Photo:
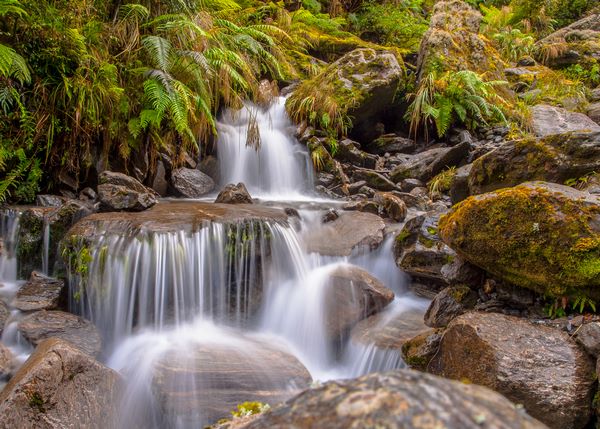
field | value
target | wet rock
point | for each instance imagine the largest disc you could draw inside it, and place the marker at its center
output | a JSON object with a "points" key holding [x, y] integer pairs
{"points": [[389, 333], [460, 271], [391, 143], [448, 304], [6, 362], [188, 216], [349, 151], [330, 216], [206, 382], [351, 230], [42, 325], [50, 200], [118, 191], [549, 120], [408, 185], [191, 183], [40, 293], [459, 189], [588, 336], [210, 166], [354, 188], [32, 225], [399, 399], [351, 295], [418, 351], [552, 159], [425, 165], [391, 206], [420, 252], [234, 194], [533, 216], [374, 179], [159, 183], [537, 366], [88, 194], [59, 386], [4, 315]]}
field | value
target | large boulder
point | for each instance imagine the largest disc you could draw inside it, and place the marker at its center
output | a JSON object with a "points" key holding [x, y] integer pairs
{"points": [[549, 120], [390, 330], [117, 191], [541, 236], [351, 295], [391, 143], [40, 293], [576, 43], [537, 366], [349, 231], [37, 222], [234, 194], [206, 381], [59, 386], [391, 205], [556, 158], [399, 399], [420, 252], [363, 82], [42, 325], [454, 43], [374, 179], [425, 165], [191, 183]]}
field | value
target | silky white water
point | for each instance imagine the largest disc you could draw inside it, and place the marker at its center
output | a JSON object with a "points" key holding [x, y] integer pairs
{"points": [[180, 312], [279, 168]]}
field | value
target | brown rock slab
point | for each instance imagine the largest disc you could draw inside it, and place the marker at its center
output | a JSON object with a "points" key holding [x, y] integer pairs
{"points": [[537, 366], [60, 387], [39, 293], [349, 231], [42, 325], [399, 399]]}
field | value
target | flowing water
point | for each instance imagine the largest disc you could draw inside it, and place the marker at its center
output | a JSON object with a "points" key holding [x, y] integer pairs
{"points": [[232, 309]]}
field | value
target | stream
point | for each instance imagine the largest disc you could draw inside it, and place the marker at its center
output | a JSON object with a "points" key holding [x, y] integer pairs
{"points": [[195, 320]]}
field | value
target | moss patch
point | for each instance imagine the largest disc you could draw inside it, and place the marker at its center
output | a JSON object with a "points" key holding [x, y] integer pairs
{"points": [[532, 236]]}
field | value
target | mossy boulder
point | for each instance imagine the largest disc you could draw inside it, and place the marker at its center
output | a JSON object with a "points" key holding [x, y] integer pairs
{"points": [[453, 42], [540, 236], [555, 158], [362, 84], [578, 43]]}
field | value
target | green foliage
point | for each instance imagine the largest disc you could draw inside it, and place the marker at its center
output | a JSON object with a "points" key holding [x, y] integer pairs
{"points": [[249, 408], [442, 182], [561, 306], [85, 80], [590, 75], [455, 97], [391, 23]]}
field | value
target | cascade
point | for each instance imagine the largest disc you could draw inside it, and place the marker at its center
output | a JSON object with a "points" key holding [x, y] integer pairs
{"points": [[278, 168], [199, 319]]}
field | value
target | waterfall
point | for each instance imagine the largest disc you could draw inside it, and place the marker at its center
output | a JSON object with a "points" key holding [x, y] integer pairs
{"points": [[279, 167], [198, 319]]}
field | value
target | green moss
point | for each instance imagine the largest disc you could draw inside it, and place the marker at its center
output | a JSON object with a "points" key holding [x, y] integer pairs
{"points": [[36, 401], [530, 237]]}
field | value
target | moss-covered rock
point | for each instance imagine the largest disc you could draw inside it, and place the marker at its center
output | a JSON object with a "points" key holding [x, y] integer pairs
{"points": [[360, 86], [555, 158], [538, 235], [453, 42]]}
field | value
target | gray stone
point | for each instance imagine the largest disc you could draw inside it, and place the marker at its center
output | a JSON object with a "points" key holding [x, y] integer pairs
{"points": [[399, 399], [537, 366], [549, 120], [588, 336], [234, 194], [118, 192], [61, 387], [42, 325], [449, 304], [191, 183], [40, 293]]}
